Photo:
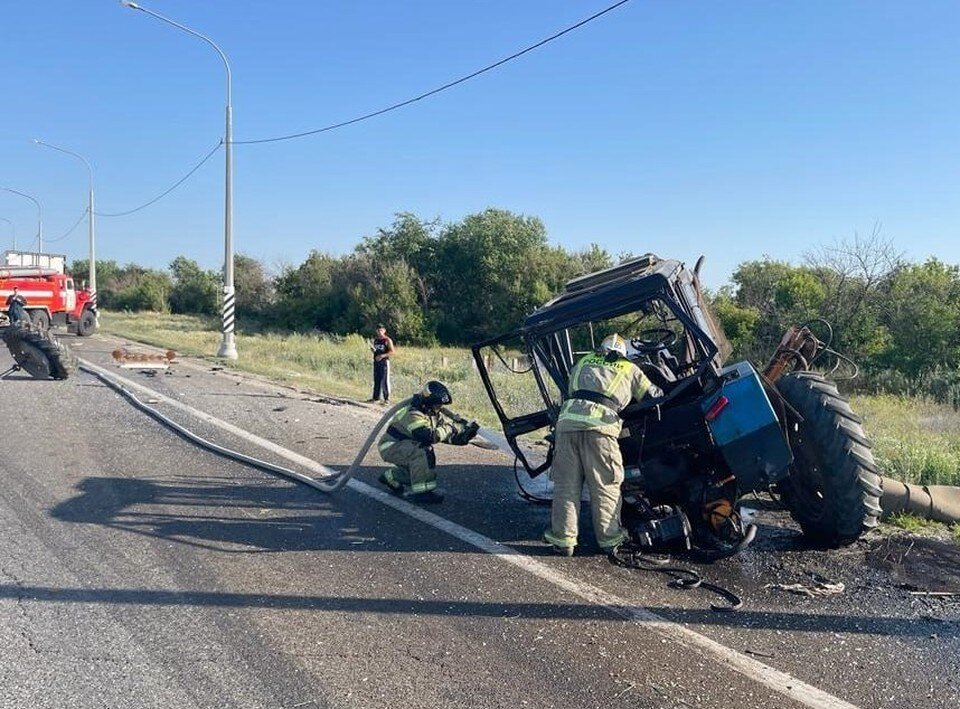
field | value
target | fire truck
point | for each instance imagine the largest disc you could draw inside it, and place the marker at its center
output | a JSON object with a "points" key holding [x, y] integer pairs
{"points": [[52, 298]]}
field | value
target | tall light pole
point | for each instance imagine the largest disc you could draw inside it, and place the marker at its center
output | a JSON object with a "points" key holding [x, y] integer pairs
{"points": [[228, 347], [13, 228], [90, 230], [39, 215]]}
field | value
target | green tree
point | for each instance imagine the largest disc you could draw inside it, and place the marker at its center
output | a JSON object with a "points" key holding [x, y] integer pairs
{"points": [[921, 312], [107, 273], [486, 276], [738, 323], [139, 288], [367, 291], [305, 293], [194, 290], [413, 241], [853, 274], [254, 288]]}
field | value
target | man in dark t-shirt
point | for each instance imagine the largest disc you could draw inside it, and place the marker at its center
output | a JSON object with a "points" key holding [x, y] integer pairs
{"points": [[16, 307], [383, 349]]}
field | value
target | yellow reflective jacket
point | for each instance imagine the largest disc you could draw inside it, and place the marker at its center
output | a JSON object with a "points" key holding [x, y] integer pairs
{"points": [[618, 380], [410, 423]]}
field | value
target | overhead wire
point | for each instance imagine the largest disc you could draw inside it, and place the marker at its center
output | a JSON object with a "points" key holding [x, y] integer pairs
{"points": [[433, 92], [71, 229], [167, 191], [358, 119]]}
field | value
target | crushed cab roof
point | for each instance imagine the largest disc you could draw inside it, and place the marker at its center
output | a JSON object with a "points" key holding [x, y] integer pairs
{"points": [[604, 294]]}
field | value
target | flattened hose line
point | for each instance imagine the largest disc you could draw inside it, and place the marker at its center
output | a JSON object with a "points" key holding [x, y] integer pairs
{"points": [[328, 484], [683, 579]]}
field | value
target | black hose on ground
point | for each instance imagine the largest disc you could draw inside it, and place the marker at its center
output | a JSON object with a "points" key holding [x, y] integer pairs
{"points": [[684, 579]]}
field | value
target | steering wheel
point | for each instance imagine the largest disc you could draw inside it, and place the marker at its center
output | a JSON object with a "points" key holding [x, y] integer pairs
{"points": [[653, 339]]}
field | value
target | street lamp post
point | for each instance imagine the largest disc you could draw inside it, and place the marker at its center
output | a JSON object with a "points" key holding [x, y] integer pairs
{"points": [[39, 215], [90, 223], [228, 347], [13, 228]]}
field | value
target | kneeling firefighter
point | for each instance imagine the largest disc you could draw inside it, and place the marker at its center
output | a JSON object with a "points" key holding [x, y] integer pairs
{"points": [[408, 442], [601, 384]]}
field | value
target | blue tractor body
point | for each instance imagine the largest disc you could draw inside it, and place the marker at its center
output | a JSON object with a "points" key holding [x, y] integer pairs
{"points": [[746, 429]]}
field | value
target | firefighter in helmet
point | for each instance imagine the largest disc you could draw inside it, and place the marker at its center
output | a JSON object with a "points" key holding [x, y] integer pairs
{"points": [[408, 442], [601, 384]]}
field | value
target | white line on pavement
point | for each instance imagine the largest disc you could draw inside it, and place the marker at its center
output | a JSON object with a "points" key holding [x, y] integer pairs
{"points": [[779, 681]]}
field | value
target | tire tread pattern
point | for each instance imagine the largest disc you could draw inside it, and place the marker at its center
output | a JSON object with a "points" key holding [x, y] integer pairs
{"points": [[851, 480], [62, 361]]}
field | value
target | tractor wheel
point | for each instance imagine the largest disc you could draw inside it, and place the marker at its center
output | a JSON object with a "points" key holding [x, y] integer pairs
{"points": [[40, 318], [87, 324], [40, 354], [834, 486]]}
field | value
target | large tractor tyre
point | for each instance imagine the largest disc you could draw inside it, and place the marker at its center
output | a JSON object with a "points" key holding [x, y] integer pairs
{"points": [[834, 490], [39, 354], [87, 324], [40, 318]]}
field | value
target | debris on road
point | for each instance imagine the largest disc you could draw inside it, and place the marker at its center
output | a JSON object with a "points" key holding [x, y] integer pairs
{"points": [[818, 588], [139, 360]]}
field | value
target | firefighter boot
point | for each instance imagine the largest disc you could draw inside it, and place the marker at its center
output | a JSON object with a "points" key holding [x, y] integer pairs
{"points": [[389, 478], [560, 545], [428, 497]]}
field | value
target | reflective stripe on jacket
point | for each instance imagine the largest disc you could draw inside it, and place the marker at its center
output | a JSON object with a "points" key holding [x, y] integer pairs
{"points": [[411, 423], [619, 380]]}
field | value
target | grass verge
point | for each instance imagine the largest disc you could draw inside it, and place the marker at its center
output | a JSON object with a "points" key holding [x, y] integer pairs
{"points": [[338, 366]]}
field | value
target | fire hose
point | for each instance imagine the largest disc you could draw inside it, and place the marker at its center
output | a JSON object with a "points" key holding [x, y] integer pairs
{"points": [[330, 483], [940, 503]]}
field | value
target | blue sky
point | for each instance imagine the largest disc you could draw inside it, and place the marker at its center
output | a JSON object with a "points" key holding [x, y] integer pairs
{"points": [[731, 129]]}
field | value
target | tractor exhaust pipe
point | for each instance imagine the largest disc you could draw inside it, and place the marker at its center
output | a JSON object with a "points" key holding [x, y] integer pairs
{"points": [[940, 503]]}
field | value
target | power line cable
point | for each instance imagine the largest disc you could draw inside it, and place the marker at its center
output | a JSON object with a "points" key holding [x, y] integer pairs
{"points": [[168, 190], [358, 119], [70, 230], [437, 90]]}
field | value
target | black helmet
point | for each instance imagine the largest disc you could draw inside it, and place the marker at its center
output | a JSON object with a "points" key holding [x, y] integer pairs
{"points": [[434, 396]]}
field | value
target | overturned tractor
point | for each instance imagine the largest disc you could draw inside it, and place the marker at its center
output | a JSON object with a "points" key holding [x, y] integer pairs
{"points": [[718, 432]]}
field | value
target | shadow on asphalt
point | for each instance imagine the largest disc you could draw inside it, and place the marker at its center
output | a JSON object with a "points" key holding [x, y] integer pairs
{"points": [[239, 517], [795, 622]]}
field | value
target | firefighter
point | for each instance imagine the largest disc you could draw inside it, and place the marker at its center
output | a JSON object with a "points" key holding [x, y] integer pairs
{"points": [[601, 384], [16, 307], [408, 442]]}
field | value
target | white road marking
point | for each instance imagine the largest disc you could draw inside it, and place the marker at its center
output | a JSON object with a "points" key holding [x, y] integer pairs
{"points": [[775, 679]]}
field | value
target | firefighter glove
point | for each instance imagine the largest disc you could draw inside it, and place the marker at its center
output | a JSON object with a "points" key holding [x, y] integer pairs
{"points": [[465, 434]]}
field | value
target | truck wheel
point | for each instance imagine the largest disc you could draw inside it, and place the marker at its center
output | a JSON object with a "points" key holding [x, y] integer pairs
{"points": [[40, 318], [40, 354], [833, 491], [87, 324]]}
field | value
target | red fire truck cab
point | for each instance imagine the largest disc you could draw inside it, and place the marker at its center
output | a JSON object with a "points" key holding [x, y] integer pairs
{"points": [[52, 298]]}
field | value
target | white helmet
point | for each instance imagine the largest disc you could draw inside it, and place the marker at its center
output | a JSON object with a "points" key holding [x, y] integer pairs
{"points": [[614, 343]]}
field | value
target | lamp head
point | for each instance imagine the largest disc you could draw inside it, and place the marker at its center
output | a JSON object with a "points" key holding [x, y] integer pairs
{"points": [[131, 5]]}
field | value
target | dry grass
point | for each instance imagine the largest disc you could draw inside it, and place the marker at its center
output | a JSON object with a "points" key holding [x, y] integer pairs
{"points": [[915, 440], [331, 365]]}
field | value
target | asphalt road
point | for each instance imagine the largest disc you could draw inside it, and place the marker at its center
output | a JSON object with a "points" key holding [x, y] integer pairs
{"points": [[137, 570]]}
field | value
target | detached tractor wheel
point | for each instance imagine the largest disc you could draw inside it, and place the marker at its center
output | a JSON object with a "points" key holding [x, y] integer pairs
{"points": [[833, 491], [87, 324], [39, 354], [40, 318]]}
